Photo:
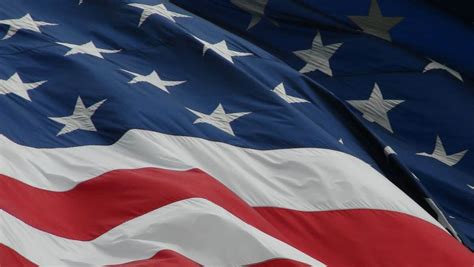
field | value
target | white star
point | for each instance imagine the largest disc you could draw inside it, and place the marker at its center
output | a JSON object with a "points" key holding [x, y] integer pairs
{"points": [[256, 8], [281, 92], [318, 56], [376, 24], [81, 1], [159, 9], [80, 119], [470, 186], [15, 85], [433, 65], [218, 118], [154, 79], [222, 50], [439, 153], [88, 48], [24, 23], [375, 108], [341, 141]]}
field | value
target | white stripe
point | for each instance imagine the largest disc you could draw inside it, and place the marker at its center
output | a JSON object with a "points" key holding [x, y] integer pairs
{"points": [[305, 179], [195, 228]]}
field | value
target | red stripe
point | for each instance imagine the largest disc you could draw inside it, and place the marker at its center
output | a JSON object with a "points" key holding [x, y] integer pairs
{"points": [[363, 237], [279, 263], [164, 258], [169, 258], [100, 204], [9, 257], [337, 238]]}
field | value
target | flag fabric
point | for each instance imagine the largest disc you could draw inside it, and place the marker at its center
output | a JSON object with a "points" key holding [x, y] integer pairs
{"points": [[405, 68], [218, 133]]}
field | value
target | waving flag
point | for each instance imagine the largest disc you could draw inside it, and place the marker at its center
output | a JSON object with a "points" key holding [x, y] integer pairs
{"points": [[140, 133], [405, 68]]}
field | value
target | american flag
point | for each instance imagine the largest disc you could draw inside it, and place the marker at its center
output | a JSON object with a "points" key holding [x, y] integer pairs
{"points": [[229, 133]]}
